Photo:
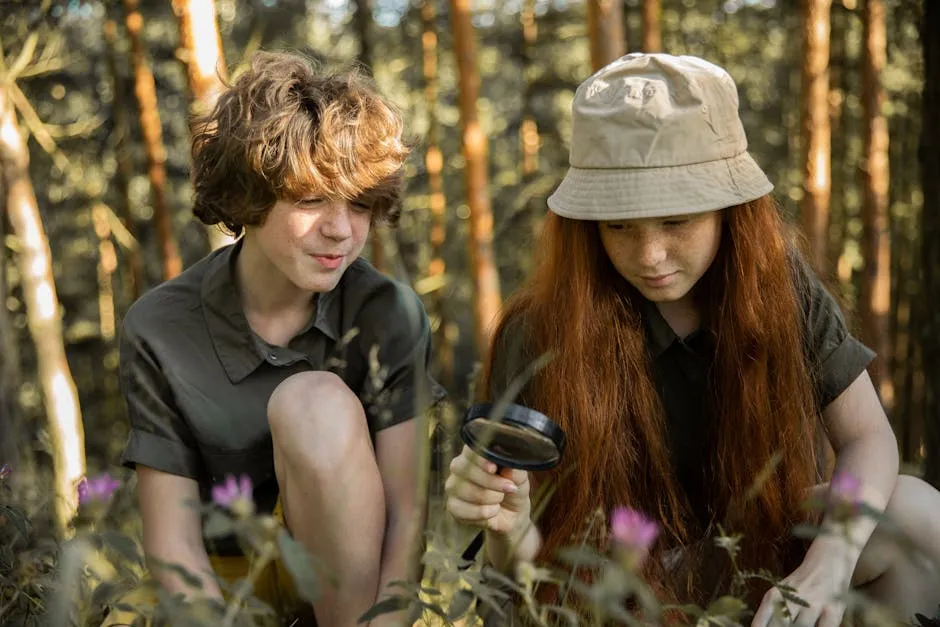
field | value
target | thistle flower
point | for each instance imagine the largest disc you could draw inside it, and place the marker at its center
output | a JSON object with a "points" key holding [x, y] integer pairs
{"points": [[632, 533], [844, 499], [235, 495], [98, 488]]}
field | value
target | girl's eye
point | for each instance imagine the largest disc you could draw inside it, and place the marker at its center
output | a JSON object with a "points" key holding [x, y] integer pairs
{"points": [[614, 226], [307, 202], [362, 207], [675, 222]]}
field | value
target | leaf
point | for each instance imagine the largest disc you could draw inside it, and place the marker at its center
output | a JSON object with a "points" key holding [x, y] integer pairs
{"points": [[808, 532], [459, 605], [188, 578], [581, 556], [385, 606], [218, 525], [17, 519], [300, 566], [728, 606], [124, 546]]}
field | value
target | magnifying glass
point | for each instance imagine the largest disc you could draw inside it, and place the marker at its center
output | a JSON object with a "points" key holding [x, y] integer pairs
{"points": [[518, 437], [511, 436]]}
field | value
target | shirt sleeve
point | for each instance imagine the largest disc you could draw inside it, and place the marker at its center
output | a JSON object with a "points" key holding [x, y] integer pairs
{"points": [[397, 344], [159, 435], [836, 357]]}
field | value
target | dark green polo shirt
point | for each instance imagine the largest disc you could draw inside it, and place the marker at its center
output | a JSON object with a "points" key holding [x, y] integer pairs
{"points": [[197, 379], [680, 368]]}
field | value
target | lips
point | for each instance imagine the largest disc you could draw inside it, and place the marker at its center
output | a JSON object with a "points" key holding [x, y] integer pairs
{"points": [[330, 262]]}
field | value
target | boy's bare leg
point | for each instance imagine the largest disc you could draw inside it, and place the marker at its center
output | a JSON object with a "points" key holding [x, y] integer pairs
{"points": [[330, 488], [906, 582]]}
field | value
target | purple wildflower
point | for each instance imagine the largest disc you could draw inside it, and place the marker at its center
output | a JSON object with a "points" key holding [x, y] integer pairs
{"points": [[235, 495], [98, 488], [633, 534], [5, 471], [845, 495]]}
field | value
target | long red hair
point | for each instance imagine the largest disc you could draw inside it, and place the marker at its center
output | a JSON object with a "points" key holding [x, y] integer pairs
{"points": [[599, 388]]}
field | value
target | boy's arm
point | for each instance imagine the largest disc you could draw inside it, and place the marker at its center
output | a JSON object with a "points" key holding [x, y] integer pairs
{"points": [[396, 450], [173, 530]]}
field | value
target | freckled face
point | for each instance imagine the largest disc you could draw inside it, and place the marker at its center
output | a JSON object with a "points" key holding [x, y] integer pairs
{"points": [[313, 240], [663, 258]]}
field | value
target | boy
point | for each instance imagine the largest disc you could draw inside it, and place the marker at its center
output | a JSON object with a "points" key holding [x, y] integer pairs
{"points": [[260, 358]]}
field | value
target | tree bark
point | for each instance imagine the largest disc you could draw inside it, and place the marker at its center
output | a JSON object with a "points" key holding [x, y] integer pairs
{"points": [[529, 131], [814, 206], [875, 292], [124, 169], [652, 37], [434, 164], [146, 91], [201, 53], [34, 260], [605, 31], [486, 294], [930, 173]]}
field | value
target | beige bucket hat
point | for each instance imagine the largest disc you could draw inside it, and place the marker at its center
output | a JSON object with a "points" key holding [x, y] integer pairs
{"points": [[655, 135]]}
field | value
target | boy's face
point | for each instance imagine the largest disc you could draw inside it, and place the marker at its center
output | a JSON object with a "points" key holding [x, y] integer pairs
{"points": [[663, 258], [312, 241]]}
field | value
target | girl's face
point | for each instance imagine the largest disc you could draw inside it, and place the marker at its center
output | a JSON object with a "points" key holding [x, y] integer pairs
{"points": [[663, 258]]}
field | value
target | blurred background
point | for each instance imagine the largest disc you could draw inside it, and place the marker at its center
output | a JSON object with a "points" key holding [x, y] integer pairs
{"points": [[840, 99]]}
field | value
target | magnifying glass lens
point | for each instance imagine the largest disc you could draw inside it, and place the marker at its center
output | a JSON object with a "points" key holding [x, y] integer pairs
{"points": [[501, 442]]}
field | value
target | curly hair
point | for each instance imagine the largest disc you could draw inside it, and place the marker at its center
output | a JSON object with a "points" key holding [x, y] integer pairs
{"points": [[284, 129]]}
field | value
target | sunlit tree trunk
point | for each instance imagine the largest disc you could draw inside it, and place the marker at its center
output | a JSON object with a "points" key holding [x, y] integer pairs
{"points": [[486, 293], [107, 264], [875, 294], [814, 207], [34, 260], [930, 173], [146, 91], [201, 53], [124, 169], [605, 31], [529, 131], [434, 164], [652, 38]]}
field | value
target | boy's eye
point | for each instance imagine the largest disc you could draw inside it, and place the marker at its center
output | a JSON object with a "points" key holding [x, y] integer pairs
{"points": [[310, 201], [362, 207]]}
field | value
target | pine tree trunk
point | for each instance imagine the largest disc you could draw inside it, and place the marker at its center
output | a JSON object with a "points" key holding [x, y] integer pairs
{"points": [[875, 293], [146, 91], [486, 293], [124, 169], [652, 38], [529, 131], [434, 164], [201, 53], [814, 207], [605, 31], [930, 173], [34, 260]]}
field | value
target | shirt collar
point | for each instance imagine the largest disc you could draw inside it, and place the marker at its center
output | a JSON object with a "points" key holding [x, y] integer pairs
{"points": [[235, 343], [659, 335]]}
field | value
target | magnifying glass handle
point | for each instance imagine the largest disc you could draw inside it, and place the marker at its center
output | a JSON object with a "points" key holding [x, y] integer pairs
{"points": [[470, 553]]}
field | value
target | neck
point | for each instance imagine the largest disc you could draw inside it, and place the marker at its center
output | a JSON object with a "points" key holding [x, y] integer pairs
{"points": [[682, 315], [264, 290]]}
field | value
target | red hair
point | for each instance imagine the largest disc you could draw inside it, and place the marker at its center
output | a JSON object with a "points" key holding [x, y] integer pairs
{"points": [[600, 389]]}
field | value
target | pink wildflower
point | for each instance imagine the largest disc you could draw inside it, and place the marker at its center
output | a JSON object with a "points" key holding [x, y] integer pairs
{"points": [[845, 488], [633, 534], [5, 471], [235, 495], [98, 488]]}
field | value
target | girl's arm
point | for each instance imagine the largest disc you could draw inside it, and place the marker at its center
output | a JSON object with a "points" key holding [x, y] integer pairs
{"points": [[865, 447]]}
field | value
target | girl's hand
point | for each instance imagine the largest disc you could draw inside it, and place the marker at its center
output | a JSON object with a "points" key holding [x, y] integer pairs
{"points": [[478, 496], [821, 580]]}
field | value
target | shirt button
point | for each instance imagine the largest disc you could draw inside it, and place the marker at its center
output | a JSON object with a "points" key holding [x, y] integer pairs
{"points": [[272, 357]]}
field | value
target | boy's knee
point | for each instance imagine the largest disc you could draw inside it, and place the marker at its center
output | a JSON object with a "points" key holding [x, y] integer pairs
{"points": [[315, 417]]}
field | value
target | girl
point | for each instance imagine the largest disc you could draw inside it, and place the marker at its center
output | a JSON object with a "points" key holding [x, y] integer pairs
{"points": [[692, 350]]}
